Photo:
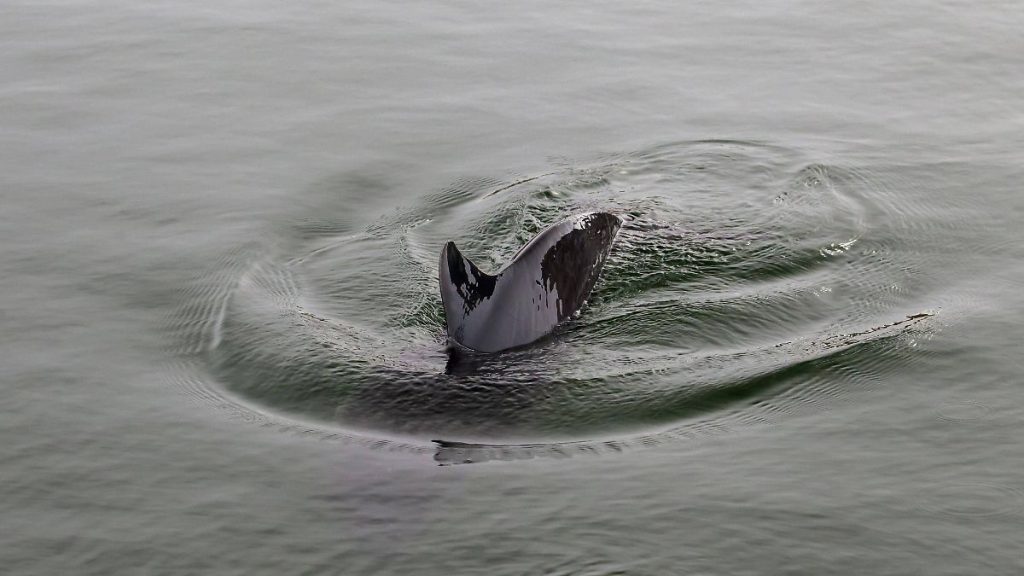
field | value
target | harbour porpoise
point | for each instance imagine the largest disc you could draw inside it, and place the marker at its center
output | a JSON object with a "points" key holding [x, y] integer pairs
{"points": [[547, 281]]}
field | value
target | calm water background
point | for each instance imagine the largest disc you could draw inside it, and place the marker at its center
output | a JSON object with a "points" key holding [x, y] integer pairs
{"points": [[221, 347]]}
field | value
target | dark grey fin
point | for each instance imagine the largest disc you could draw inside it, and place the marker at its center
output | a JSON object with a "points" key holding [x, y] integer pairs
{"points": [[463, 288]]}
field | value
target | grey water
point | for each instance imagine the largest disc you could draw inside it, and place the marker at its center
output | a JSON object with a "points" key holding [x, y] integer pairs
{"points": [[222, 346]]}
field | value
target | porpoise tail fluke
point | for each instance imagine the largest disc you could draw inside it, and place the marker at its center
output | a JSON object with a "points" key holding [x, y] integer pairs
{"points": [[547, 281]]}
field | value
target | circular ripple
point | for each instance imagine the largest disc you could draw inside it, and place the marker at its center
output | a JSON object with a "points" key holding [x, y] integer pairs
{"points": [[748, 282], [964, 411], [972, 499]]}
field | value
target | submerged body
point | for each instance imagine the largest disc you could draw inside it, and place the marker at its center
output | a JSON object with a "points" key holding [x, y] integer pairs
{"points": [[547, 281]]}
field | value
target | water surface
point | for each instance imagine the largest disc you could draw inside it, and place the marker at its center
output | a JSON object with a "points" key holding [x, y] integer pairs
{"points": [[223, 343]]}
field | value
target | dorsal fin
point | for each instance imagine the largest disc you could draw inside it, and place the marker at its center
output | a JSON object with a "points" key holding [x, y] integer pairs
{"points": [[463, 288]]}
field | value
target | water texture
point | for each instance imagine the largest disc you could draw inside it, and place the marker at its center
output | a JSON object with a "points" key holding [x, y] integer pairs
{"points": [[223, 346], [698, 317]]}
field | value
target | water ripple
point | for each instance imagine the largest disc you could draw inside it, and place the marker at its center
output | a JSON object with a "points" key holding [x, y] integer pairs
{"points": [[749, 282]]}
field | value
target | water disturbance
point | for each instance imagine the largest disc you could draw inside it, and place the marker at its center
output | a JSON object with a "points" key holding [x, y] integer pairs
{"points": [[748, 281]]}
